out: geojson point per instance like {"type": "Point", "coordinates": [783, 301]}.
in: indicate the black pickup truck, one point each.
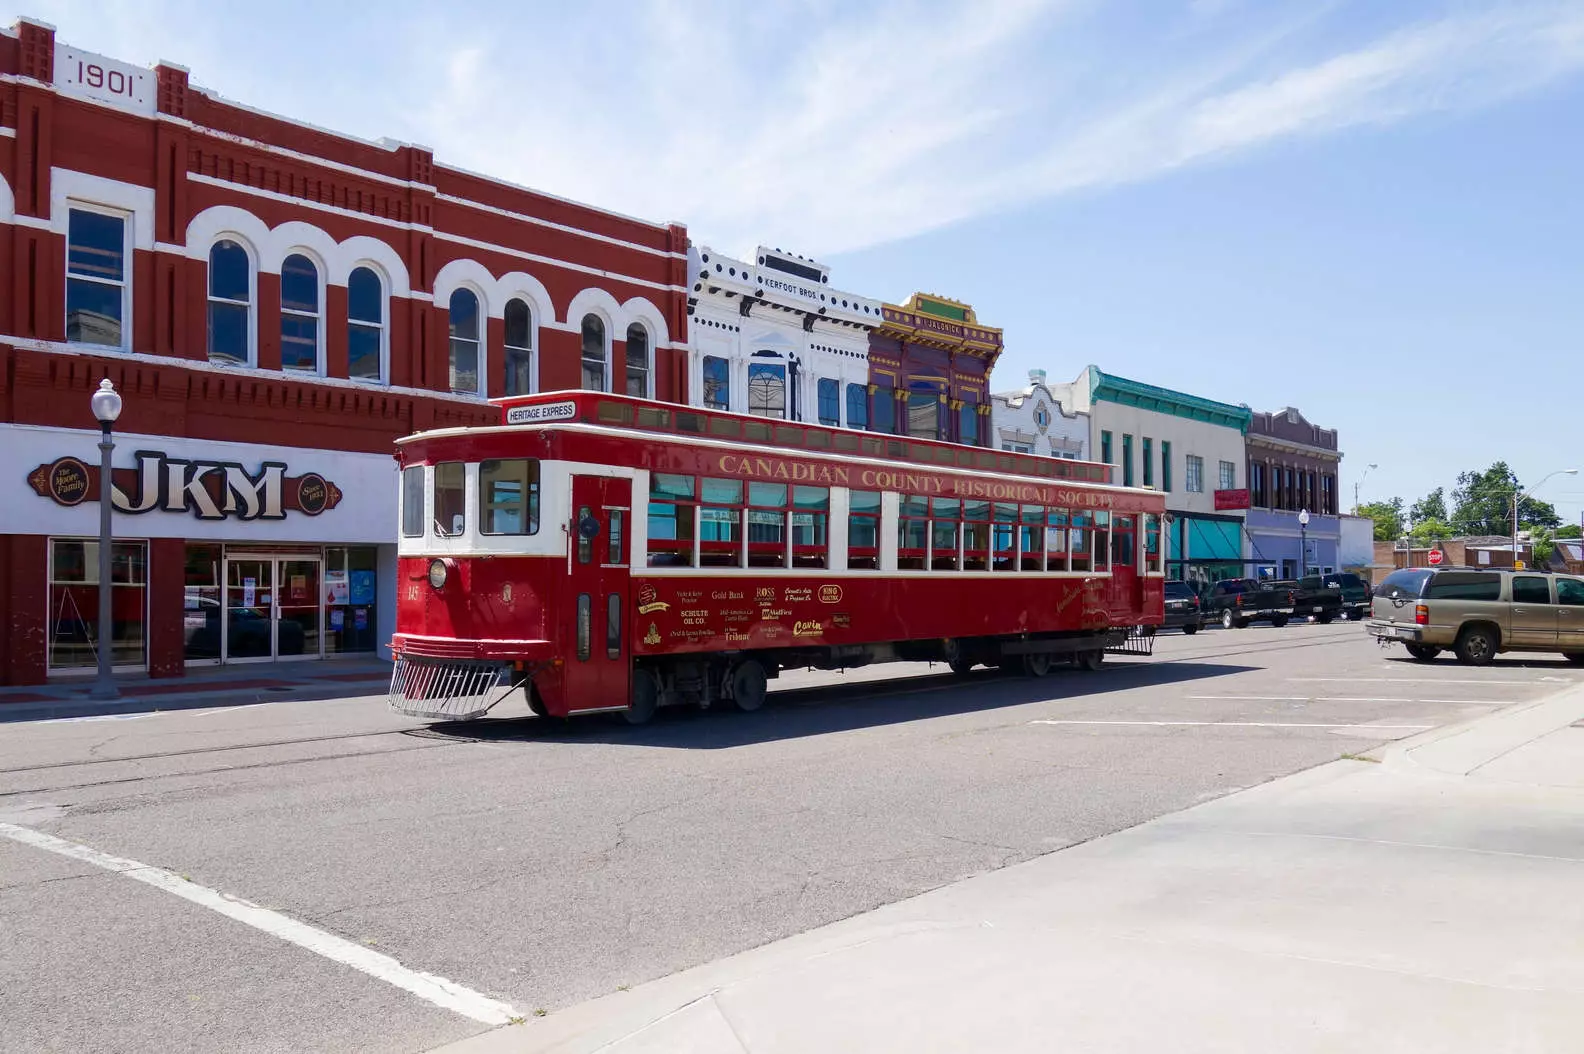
{"type": "Point", "coordinates": [1236, 602]}
{"type": "Point", "coordinates": [1317, 596]}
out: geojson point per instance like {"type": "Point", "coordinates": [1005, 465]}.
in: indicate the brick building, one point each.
{"type": "Point", "coordinates": [276, 304]}
{"type": "Point", "coordinates": [1292, 469]}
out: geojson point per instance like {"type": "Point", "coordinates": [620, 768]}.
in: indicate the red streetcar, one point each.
{"type": "Point", "coordinates": [602, 553]}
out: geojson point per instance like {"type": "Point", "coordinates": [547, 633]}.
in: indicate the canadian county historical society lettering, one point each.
{"type": "Point", "coordinates": [912, 482]}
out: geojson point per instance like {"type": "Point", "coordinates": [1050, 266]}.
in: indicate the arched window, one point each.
{"type": "Point", "coordinates": [464, 341]}
{"type": "Point", "coordinates": [519, 348]}
{"type": "Point", "coordinates": [365, 325]}
{"type": "Point", "coordinates": [299, 314]}
{"type": "Point", "coordinates": [717, 383]}
{"type": "Point", "coordinates": [766, 390]}
{"type": "Point", "coordinates": [230, 304]}
{"type": "Point", "coordinates": [593, 353]}
{"type": "Point", "coordinates": [637, 361]}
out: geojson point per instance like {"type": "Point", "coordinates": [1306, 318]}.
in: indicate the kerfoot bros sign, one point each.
{"type": "Point", "coordinates": [209, 490]}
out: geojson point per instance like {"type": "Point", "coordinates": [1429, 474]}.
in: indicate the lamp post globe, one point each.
{"type": "Point", "coordinates": [106, 406]}
{"type": "Point", "coordinates": [1303, 543]}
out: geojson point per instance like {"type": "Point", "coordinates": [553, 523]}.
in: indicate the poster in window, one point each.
{"type": "Point", "coordinates": [360, 619]}
{"type": "Point", "coordinates": [299, 587]}
{"type": "Point", "coordinates": [337, 589]}
{"type": "Point", "coordinates": [337, 618]}
{"type": "Point", "coordinates": [362, 591]}
{"type": "Point", "coordinates": [249, 591]}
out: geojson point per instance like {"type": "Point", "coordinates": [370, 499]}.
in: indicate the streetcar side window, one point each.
{"type": "Point", "coordinates": [1154, 562]}
{"type": "Point", "coordinates": [1082, 532]}
{"type": "Point", "coordinates": [450, 498]}
{"type": "Point", "coordinates": [863, 530]}
{"type": "Point", "coordinates": [1033, 548]}
{"type": "Point", "coordinates": [945, 516]}
{"type": "Point", "coordinates": [912, 532]}
{"type": "Point", "coordinates": [1005, 534]}
{"type": "Point", "coordinates": [412, 487]}
{"type": "Point", "coordinates": [671, 512]}
{"type": "Point", "coordinates": [1101, 548]}
{"type": "Point", "coordinates": [976, 536]}
{"type": "Point", "coordinates": [1056, 551]}
{"type": "Point", "coordinates": [585, 629]}
{"type": "Point", "coordinates": [509, 496]}
{"type": "Point", "coordinates": [810, 526]}
{"type": "Point", "coordinates": [720, 523]}
{"type": "Point", "coordinates": [767, 523]}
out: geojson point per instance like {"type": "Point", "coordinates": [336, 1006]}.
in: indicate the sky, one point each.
{"type": "Point", "coordinates": [1370, 211]}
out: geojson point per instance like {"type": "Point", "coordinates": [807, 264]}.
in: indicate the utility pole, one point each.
{"type": "Point", "coordinates": [1357, 483]}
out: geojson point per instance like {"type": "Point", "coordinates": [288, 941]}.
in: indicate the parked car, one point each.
{"type": "Point", "coordinates": [1184, 609]}
{"type": "Point", "coordinates": [1355, 594]}
{"type": "Point", "coordinates": [249, 632]}
{"type": "Point", "coordinates": [1236, 602]}
{"type": "Point", "coordinates": [1479, 613]}
{"type": "Point", "coordinates": [1317, 596]}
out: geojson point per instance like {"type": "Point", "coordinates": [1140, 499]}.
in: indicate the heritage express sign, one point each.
{"type": "Point", "coordinates": [209, 490]}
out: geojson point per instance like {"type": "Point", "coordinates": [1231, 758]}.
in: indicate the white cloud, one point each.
{"type": "Point", "coordinates": [826, 126]}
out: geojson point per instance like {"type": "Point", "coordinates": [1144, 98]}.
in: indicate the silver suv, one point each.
{"type": "Point", "coordinates": [1478, 613]}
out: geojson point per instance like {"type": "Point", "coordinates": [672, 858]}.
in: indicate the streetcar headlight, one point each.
{"type": "Point", "coordinates": [437, 573]}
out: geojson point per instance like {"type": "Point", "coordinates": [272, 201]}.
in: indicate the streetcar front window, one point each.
{"type": "Point", "coordinates": [450, 498]}
{"type": "Point", "coordinates": [412, 497]}
{"type": "Point", "coordinates": [509, 496]}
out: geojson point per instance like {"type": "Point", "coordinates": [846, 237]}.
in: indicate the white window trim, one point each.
{"type": "Point", "coordinates": [384, 325]}
{"type": "Point", "coordinates": [128, 242]}
{"type": "Point", "coordinates": [481, 363]}
{"type": "Point", "coordinates": [532, 347]}
{"type": "Point", "coordinates": [321, 280]}
{"type": "Point", "coordinates": [251, 252]}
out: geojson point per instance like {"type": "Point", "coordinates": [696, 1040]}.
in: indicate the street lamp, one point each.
{"type": "Point", "coordinates": [106, 406]}
{"type": "Point", "coordinates": [1303, 543]}
{"type": "Point", "coordinates": [1518, 496]}
{"type": "Point", "coordinates": [1358, 483]}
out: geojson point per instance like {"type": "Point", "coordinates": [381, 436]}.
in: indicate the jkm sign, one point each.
{"type": "Point", "coordinates": [210, 490]}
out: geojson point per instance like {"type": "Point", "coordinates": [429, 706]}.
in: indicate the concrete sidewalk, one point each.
{"type": "Point", "coordinates": [201, 687]}
{"type": "Point", "coordinates": [1428, 899]}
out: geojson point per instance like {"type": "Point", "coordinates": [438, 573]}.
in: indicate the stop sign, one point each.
{"type": "Point", "coordinates": [1435, 557]}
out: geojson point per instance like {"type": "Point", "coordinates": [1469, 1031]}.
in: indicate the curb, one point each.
{"type": "Point", "coordinates": [66, 709]}
{"type": "Point", "coordinates": [1461, 749]}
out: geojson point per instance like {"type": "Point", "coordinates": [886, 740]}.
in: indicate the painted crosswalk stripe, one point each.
{"type": "Point", "coordinates": [437, 990]}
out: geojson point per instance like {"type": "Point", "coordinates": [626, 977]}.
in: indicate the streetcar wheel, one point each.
{"type": "Point", "coordinates": [1227, 621]}
{"type": "Point", "coordinates": [1090, 660]}
{"type": "Point", "coordinates": [961, 667]}
{"type": "Point", "coordinates": [1036, 665]}
{"type": "Point", "coordinates": [536, 705]}
{"type": "Point", "coordinates": [749, 686]}
{"type": "Point", "coordinates": [645, 698]}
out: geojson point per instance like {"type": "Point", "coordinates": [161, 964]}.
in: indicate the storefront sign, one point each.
{"type": "Point", "coordinates": [1231, 499]}
{"type": "Point", "coordinates": [209, 490]}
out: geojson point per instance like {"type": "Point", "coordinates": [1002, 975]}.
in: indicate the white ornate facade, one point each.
{"type": "Point", "coordinates": [772, 337]}
{"type": "Point", "coordinates": [1034, 421]}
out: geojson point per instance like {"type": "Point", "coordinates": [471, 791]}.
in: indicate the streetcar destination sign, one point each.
{"type": "Point", "coordinates": [565, 410]}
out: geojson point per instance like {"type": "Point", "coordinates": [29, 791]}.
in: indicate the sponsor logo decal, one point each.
{"type": "Point", "coordinates": [831, 594]}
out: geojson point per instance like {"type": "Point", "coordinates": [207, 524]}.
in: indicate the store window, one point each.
{"type": "Point", "coordinates": [1195, 480]}
{"type": "Point", "coordinates": [519, 347]}
{"type": "Point", "coordinates": [463, 312]}
{"type": "Point", "coordinates": [201, 603]}
{"type": "Point", "coordinates": [351, 593]}
{"type": "Point", "coordinates": [74, 604]}
{"type": "Point", "coordinates": [365, 325]}
{"type": "Point", "coordinates": [766, 390]}
{"type": "Point", "coordinates": [717, 383]}
{"type": "Point", "coordinates": [1228, 475]}
{"type": "Point", "coordinates": [968, 423]}
{"type": "Point", "coordinates": [96, 278]}
{"type": "Point", "coordinates": [924, 413]}
{"type": "Point", "coordinates": [884, 419]}
{"type": "Point", "coordinates": [230, 304]}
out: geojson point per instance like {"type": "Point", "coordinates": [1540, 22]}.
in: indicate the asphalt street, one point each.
{"type": "Point", "coordinates": [541, 864]}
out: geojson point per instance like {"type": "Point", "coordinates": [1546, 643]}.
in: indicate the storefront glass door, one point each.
{"type": "Point", "coordinates": [272, 608]}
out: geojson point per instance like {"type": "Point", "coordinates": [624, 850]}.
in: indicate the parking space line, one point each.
{"type": "Point", "coordinates": [437, 990]}
{"type": "Point", "coordinates": [1339, 699]}
{"type": "Point", "coordinates": [1406, 680]}
{"type": "Point", "coordinates": [1238, 724]}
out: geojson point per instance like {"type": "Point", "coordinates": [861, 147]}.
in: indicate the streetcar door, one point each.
{"type": "Point", "coordinates": [596, 619]}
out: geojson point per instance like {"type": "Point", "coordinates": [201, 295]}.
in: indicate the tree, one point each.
{"type": "Point", "coordinates": [1482, 503]}
{"type": "Point", "coordinates": [1426, 532]}
{"type": "Point", "coordinates": [1544, 543]}
{"type": "Point", "coordinates": [1570, 530]}
{"type": "Point", "coordinates": [1430, 507]}
{"type": "Point", "coordinates": [1388, 517]}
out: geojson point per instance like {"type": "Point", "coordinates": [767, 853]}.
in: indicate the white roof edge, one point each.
{"type": "Point", "coordinates": [30, 20]}
{"type": "Point", "coordinates": [168, 64]}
